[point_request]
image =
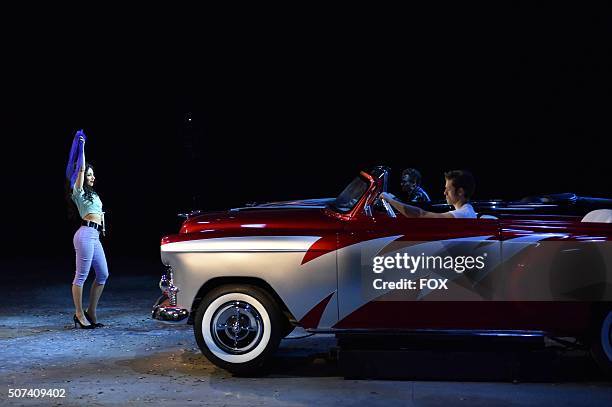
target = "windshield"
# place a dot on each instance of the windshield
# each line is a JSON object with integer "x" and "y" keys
{"x": 350, "y": 196}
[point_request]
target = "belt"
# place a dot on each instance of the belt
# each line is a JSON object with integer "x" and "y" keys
{"x": 92, "y": 225}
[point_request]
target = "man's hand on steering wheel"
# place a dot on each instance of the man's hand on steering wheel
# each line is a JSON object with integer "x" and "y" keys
{"x": 384, "y": 198}
{"x": 385, "y": 195}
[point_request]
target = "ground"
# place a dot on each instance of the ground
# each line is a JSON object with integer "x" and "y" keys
{"x": 136, "y": 360}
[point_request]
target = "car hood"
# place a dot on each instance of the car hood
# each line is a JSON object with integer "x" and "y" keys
{"x": 298, "y": 203}
{"x": 299, "y": 217}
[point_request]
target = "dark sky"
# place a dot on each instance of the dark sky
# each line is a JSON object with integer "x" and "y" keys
{"x": 522, "y": 99}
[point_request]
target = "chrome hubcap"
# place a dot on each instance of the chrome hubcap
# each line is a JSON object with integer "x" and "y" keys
{"x": 236, "y": 327}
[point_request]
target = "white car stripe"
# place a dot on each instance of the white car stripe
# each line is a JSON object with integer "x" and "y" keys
{"x": 244, "y": 244}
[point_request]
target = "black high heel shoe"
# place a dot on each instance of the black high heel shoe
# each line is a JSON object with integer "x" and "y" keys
{"x": 97, "y": 324}
{"x": 76, "y": 321}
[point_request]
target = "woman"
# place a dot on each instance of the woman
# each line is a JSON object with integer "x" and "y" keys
{"x": 89, "y": 251}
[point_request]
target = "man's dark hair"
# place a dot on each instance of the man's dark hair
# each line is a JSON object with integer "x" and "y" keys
{"x": 462, "y": 179}
{"x": 413, "y": 174}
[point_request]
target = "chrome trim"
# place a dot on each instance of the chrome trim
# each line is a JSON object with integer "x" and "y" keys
{"x": 279, "y": 207}
{"x": 449, "y": 332}
{"x": 240, "y": 251}
{"x": 237, "y": 327}
{"x": 187, "y": 215}
{"x": 169, "y": 314}
{"x": 166, "y": 308}
{"x": 166, "y": 284}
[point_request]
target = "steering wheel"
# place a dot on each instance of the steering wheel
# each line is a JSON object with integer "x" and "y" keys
{"x": 387, "y": 206}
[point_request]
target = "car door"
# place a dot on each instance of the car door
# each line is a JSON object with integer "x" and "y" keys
{"x": 451, "y": 296}
{"x": 555, "y": 272}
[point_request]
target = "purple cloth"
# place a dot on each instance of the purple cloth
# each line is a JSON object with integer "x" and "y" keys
{"x": 75, "y": 161}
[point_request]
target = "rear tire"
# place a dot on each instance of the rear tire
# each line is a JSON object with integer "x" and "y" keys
{"x": 601, "y": 344}
{"x": 239, "y": 328}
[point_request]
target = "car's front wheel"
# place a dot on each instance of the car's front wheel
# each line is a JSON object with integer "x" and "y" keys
{"x": 238, "y": 328}
{"x": 601, "y": 345}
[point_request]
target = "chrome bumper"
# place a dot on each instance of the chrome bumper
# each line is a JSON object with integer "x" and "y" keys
{"x": 166, "y": 308}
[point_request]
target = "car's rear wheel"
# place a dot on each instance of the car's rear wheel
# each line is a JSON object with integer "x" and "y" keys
{"x": 601, "y": 345}
{"x": 238, "y": 328}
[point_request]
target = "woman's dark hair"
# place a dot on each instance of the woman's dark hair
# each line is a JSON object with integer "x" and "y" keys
{"x": 88, "y": 193}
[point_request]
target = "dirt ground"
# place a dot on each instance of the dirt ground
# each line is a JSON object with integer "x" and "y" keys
{"x": 135, "y": 360}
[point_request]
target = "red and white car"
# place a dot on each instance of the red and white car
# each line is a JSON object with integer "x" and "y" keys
{"x": 246, "y": 277}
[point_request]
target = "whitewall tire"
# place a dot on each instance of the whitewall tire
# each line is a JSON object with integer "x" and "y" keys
{"x": 238, "y": 328}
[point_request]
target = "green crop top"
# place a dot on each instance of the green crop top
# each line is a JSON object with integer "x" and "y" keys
{"x": 85, "y": 206}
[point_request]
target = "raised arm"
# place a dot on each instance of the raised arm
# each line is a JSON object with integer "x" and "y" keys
{"x": 78, "y": 184}
{"x": 410, "y": 211}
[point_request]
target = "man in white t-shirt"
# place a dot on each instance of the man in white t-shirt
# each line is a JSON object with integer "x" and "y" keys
{"x": 459, "y": 188}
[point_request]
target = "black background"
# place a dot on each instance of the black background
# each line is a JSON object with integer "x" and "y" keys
{"x": 519, "y": 96}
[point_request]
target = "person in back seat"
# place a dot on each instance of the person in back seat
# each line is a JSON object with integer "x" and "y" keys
{"x": 411, "y": 186}
{"x": 458, "y": 189}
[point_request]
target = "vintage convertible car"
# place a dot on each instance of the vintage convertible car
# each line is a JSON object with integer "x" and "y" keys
{"x": 247, "y": 276}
